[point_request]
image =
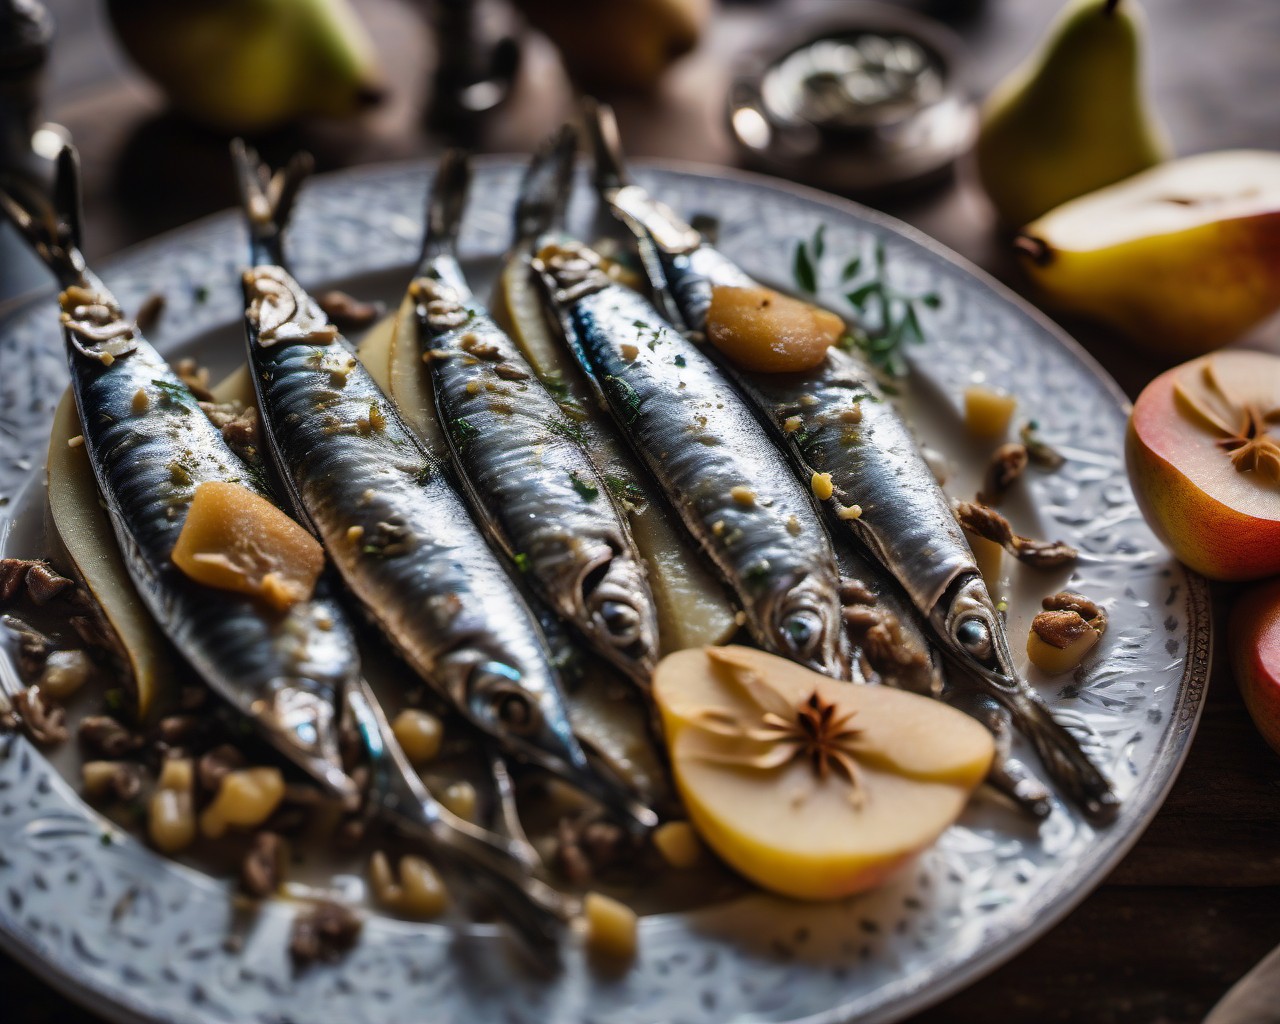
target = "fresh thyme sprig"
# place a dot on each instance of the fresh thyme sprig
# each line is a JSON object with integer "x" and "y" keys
{"x": 888, "y": 319}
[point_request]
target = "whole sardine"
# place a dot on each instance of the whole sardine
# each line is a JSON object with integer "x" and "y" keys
{"x": 533, "y": 486}
{"x": 834, "y": 419}
{"x": 397, "y": 531}
{"x": 150, "y": 447}
{"x": 705, "y": 448}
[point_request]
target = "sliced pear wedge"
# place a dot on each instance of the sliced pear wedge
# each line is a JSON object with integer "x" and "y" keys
{"x": 84, "y": 529}
{"x": 693, "y": 609}
{"x": 811, "y": 787}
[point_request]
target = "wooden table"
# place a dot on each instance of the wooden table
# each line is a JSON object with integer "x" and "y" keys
{"x": 1197, "y": 902}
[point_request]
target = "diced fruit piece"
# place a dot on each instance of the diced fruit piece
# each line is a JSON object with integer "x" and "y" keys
{"x": 990, "y": 559}
{"x": 374, "y": 350}
{"x": 419, "y": 893}
{"x": 679, "y": 844}
{"x": 234, "y": 539}
{"x": 812, "y": 819}
{"x": 1058, "y": 641}
{"x": 988, "y": 412}
{"x": 1253, "y": 640}
{"x": 461, "y": 799}
{"x": 1205, "y": 464}
{"x": 245, "y": 799}
{"x": 768, "y": 332}
{"x": 171, "y": 820}
{"x": 612, "y": 927}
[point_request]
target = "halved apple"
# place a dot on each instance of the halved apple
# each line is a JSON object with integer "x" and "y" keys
{"x": 1254, "y": 644}
{"x": 1205, "y": 463}
{"x": 811, "y": 787}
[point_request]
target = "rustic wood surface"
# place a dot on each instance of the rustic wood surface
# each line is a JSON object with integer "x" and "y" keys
{"x": 1197, "y": 901}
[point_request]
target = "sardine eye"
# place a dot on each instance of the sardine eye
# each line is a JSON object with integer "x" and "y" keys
{"x": 620, "y": 620}
{"x": 516, "y": 712}
{"x": 975, "y": 637}
{"x": 803, "y": 633}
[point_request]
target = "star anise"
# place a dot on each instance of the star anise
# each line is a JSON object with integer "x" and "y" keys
{"x": 1242, "y": 424}
{"x": 812, "y": 730}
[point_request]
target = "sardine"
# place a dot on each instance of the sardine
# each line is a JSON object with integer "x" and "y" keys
{"x": 150, "y": 447}
{"x": 703, "y": 445}
{"x": 531, "y": 482}
{"x": 848, "y": 429}
{"x": 398, "y": 533}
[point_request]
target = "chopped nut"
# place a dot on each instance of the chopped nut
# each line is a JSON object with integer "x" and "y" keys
{"x": 141, "y": 402}
{"x": 987, "y": 522}
{"x": 245, "y": 799}
{"x": 419, "y": 735}
{"x": 419, "y": 892}
{"x": 629, "y": 353}
{"x": 743, "y": 495}
{"x": 461, "y": 799}
{"x": 1066, "y": 601}
{"x": 1007, "y": 465}
{"x": 171, "y": 821}
{"x": 509, "y": 372}
{"x": 323, "y": 933}
{"x": 262, "y": 867}
{"x": 347, "y": 312}
{"x": 1060, "y": 629}
{"x": 849, "y": 512}
{"x": 792, "y": 423}
{"x": 820, "y": 484}
{"x": 1040, "y": 453}
{"x": 196, "y": 378}
{"x": 107, "y": 737}
{"x": 793, "y": 526}
{"x": 115, "y": 780}
{"x": 216, "y": 764}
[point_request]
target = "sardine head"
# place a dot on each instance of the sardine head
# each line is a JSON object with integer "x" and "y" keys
{"x": 619, "y": 606}
{"x": 804, "y": 624}
{"x": 972, "y": 630}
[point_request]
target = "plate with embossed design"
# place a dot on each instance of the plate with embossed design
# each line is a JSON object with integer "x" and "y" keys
{"x": 136, "y": 936}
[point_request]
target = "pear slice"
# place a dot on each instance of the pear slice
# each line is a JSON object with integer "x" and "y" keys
{"x": 693, "y": 609}
{"x": 1182, "y": 258}
{"x": 894, "y": 771}
{"x": 84, "y": 529}
{"x": 374, "y": 350}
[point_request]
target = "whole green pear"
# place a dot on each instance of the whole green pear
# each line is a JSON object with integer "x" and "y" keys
{"x": 1073, "y": 117}
{"x": 251, "y": 65}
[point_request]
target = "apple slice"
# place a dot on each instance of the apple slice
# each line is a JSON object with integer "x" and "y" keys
{"x": 1253, "y": 638}
{"x": 1205, "y": 463}
{"x": 811, "y": 787}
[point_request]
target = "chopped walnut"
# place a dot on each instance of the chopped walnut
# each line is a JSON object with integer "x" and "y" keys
{"x": 323, "y": 933}
{"x": 1060, "y": 629}
{"x": 588, "y": 845}
{"x": 1006, "y": 467}
{"x": 239, "y": 426}
{"x": 216, "y": 764}
{"x": 261, "y": 870}
{"x": 196, "y": 378}
{"x": 348, "y": 312}
{"x": 987, "y": 522}
{"x": 888, "y": 652}
{"x": 1041, "y": 454}
{"x": 107, "y": 737}
{"x": 46, "y": 723}
{"x": 1066, "y": 601}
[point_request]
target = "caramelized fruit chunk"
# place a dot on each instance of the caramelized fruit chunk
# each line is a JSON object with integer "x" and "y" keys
{"x": 765, "y": 331}
{"x": 236, "y": 540}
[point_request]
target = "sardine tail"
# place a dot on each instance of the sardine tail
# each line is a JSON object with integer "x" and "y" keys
{"x": 53, "y": 232}
{"x": 267, "y": 199}
{"x": 547, "y": 182}
{"x": 606, "y": 145}
{"x": 446, "y": 202}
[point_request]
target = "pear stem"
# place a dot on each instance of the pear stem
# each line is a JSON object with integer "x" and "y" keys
{"x": 1035, "y": 249}
{"x": 1111, "y": 7}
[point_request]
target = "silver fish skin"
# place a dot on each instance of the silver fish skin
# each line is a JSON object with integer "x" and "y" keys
{"x": 151, "y": 446}
{"x": 848, "y": 429}
{"x": 535, "y": 489}
{"x": 398, "y": 533}
{"x": 705, "y": 448}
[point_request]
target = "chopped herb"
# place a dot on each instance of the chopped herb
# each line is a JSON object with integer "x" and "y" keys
{"x": 587, "y": 491}
{"x": 624, "y": 490}
{"x": 113, "y": 701}
{"x": 175, "y": 393}
{"x": 758, "y": 572}
{"x": 851, "y": 269}
{"x": 423, "y": 476}
{"x": 680, "y": 361}
{"x": 567, "y": 429}
{"x": 804, "y": 265}
{"x": 200, "y": 293}
{"x": 105, "y": 838}
{"x": 464, "y": 433}
{"x": 522, "y": 561}
{"x": 624, "y": 394}
{"x": 555, "y": 383}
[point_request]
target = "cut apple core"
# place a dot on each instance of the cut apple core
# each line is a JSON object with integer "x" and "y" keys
{"x": 1239, "y": 406}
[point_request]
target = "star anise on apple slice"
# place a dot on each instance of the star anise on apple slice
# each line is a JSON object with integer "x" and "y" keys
{"x": 1243, "y": 425}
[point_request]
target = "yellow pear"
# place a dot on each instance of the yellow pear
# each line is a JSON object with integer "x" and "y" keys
{"x": 1182, "y": 258}
{"x": 251, "y": 65}
{"x": 811, "y": 787}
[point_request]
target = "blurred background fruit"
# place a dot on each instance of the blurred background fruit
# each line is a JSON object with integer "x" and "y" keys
{"x": 1073, "y": 116}
{"x": 252, "y": 65}
{"x": 1253, "y": 640}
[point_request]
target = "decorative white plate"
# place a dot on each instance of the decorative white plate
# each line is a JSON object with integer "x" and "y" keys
{"x": 137, "y": 937}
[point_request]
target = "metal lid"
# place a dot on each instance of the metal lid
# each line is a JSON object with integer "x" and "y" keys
{"x": 869, "y": 102}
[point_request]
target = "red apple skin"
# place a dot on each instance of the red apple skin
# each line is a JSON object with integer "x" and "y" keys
{"x": 1204, "y": 533}
{"x": 1253, "y": 638}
